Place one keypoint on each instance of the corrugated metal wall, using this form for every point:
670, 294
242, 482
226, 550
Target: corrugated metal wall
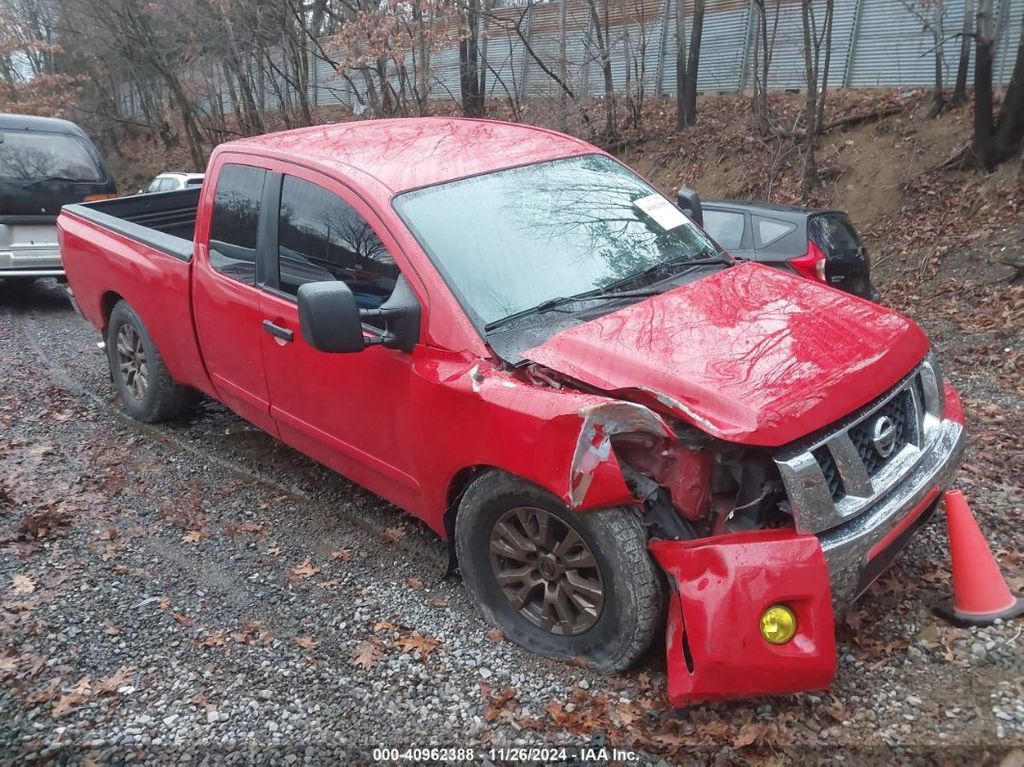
875, 43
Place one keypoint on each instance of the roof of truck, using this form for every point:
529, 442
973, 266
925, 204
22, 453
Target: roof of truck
407, 153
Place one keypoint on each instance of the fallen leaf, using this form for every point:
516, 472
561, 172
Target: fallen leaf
23, 584
417, 642
193, 536
415, 584
393, 534
305, 569
273, 551
164, 603
341, 555
65, 704
111, 630
384, 626
183, 619
367, 653
306, 643
496, 635
438, 600
329, 584
112, 683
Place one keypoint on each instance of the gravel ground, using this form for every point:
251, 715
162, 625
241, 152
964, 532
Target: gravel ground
197, 590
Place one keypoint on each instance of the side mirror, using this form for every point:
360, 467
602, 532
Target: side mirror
330, 320
688, 201
329, 317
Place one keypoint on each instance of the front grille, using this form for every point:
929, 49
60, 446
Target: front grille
900, 409
833, 476
830, 471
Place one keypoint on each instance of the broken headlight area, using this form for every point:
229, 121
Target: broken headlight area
694, 486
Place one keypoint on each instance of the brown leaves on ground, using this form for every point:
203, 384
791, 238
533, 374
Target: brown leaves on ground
305, 569
306, 642
194, 536
84, 689
418, 643
495, 635
47, 523
367, 653
415, 584
247, 528
393, 534
341, 555
23, 584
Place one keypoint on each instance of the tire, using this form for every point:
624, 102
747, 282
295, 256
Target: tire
143, 384
631, 611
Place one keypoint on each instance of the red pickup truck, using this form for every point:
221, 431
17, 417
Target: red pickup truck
512, 336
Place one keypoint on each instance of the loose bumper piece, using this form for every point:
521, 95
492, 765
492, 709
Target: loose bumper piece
721, 588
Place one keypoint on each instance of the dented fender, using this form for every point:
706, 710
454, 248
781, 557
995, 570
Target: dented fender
720, 587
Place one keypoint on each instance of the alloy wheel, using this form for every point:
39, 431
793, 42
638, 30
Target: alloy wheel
546, 571
131, 361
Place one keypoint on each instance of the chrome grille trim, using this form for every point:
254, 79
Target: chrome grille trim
814, 506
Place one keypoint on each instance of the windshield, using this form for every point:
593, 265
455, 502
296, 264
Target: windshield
30, 155
510, 240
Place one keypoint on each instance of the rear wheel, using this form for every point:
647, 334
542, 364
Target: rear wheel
564, 584
140, 377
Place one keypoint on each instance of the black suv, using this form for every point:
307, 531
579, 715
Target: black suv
821, 245
44, 163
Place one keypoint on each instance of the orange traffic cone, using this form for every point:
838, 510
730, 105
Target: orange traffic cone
980, 594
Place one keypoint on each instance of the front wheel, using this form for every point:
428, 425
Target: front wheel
140, 377
567, 585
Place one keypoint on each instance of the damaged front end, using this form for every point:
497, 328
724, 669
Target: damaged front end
729, 595
721, 530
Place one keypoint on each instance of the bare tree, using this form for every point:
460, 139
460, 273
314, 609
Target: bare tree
1010, 127
981, 146
814, 105
686, 86
764, 44
931, 14
960, 90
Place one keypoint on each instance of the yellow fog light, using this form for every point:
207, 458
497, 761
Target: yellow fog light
778, 624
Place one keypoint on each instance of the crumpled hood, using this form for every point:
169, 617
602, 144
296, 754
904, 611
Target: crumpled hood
748, 354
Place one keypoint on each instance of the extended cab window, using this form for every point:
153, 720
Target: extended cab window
233, 222
322, 237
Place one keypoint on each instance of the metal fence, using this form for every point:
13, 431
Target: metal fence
875, 43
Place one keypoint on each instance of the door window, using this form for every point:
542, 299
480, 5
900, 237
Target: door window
725, 227
322, 237
234, 220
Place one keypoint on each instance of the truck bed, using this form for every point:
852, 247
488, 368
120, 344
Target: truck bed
138, 249
165, 221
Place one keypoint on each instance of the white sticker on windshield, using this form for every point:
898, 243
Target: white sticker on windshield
665, 214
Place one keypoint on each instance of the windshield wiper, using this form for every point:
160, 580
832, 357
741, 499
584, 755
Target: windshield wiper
686, 263
554, 303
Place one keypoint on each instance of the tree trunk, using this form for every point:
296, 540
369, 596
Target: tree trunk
563, 64
938, 100
680, 64
810, 173
1010, 129
829, 14
693, 62
982, 144
469, 57
960, 91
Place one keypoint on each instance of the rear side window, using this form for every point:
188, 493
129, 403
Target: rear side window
322, 237
725, 227
834, 234
233, 221
28, 155
769, 230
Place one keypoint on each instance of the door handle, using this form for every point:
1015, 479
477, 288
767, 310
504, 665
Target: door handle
277, 331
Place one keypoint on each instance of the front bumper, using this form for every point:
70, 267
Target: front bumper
859, 550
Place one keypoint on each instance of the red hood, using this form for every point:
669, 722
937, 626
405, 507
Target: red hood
749, 354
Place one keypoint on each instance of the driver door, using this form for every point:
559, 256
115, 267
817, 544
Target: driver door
346, 410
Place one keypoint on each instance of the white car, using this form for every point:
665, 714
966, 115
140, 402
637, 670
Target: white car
171, 181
